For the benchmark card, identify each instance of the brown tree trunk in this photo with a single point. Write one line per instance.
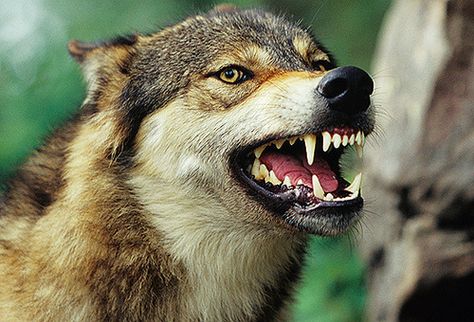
(419, 244)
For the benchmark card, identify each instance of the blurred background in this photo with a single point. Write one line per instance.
(40, 86)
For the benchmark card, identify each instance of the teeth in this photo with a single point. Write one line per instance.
(299, 183)
(336, 139)
(317, 189)
(358, 138)
(258, 151)
(345, 140)
(287, 181)
(355, 186)
(279, 143)
(329, 197)
(310, 144)
(272, 178)
(293, 140)
(255, 171)
(326, 140)
(263, 171)
(359, 150)
(362, 139)
(352, 139)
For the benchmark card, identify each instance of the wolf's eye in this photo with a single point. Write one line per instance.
(233, 75)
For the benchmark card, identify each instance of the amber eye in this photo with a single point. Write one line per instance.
(232, 75)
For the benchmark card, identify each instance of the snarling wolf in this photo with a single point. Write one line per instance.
(185, 187)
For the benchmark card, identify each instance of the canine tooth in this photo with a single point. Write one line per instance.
(355, 185)
(310, 144)
(317, 189)
(326, 140)
(279, 143)
(299, 183)
(256, 169)
(329, 197)
(263, 171)
(358, 138)
(287, 181)
(336, 139)
(293, 140)
(352, 139)
(362, 139)
(345, 140)
(258, 151)
(359, 149)
(273, 178)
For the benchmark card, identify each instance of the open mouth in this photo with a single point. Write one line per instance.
(306, 173)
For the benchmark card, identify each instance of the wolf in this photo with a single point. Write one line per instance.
(188, 183)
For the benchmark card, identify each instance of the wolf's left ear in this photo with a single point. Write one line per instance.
(102, 57)
(224, 7)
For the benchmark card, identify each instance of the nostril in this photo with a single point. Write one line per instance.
(333, 87)
(346, 89)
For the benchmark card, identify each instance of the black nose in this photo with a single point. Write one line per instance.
(347, 89)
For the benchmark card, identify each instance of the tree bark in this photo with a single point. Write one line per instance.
(419, 243)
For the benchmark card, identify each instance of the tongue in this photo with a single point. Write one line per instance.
(299, 169)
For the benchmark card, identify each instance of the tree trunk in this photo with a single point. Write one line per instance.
(419, 243)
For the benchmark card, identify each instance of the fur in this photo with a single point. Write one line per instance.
(131, 211)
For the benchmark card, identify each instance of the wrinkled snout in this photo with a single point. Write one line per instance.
(346, 89)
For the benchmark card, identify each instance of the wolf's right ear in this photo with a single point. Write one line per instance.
(102, 57)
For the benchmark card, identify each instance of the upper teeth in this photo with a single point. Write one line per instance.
(310, 144)
(335, 139)
(261, 172)
(326, 140)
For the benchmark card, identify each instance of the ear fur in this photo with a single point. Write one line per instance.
(101, 58)
(224, 7)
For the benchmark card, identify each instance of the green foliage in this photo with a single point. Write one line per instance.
(332, 288)
(40, 87)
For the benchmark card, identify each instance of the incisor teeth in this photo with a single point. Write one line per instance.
(336, 139)
(355, 185)
(255, 171)
(329, 197)
(310, 144)
(258, 151)
(299, 183)
(345, 140)
(279, 143)
(273, 178)
(287, 181)
(326, 140)
(317, 189)
(352, 139)
(357, 138)
(293, 140)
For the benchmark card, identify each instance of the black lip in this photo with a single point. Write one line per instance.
(324, 218)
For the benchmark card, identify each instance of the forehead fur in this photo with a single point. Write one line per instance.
(165, 62)
(161, 66)
(201, 39)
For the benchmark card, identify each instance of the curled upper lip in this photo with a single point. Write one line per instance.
(335, 138)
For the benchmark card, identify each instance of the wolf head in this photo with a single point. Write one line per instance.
(228, 117)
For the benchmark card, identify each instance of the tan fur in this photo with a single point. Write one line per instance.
(132, 211)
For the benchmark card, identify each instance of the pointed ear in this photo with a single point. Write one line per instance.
(224, 7)
(101, 57)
